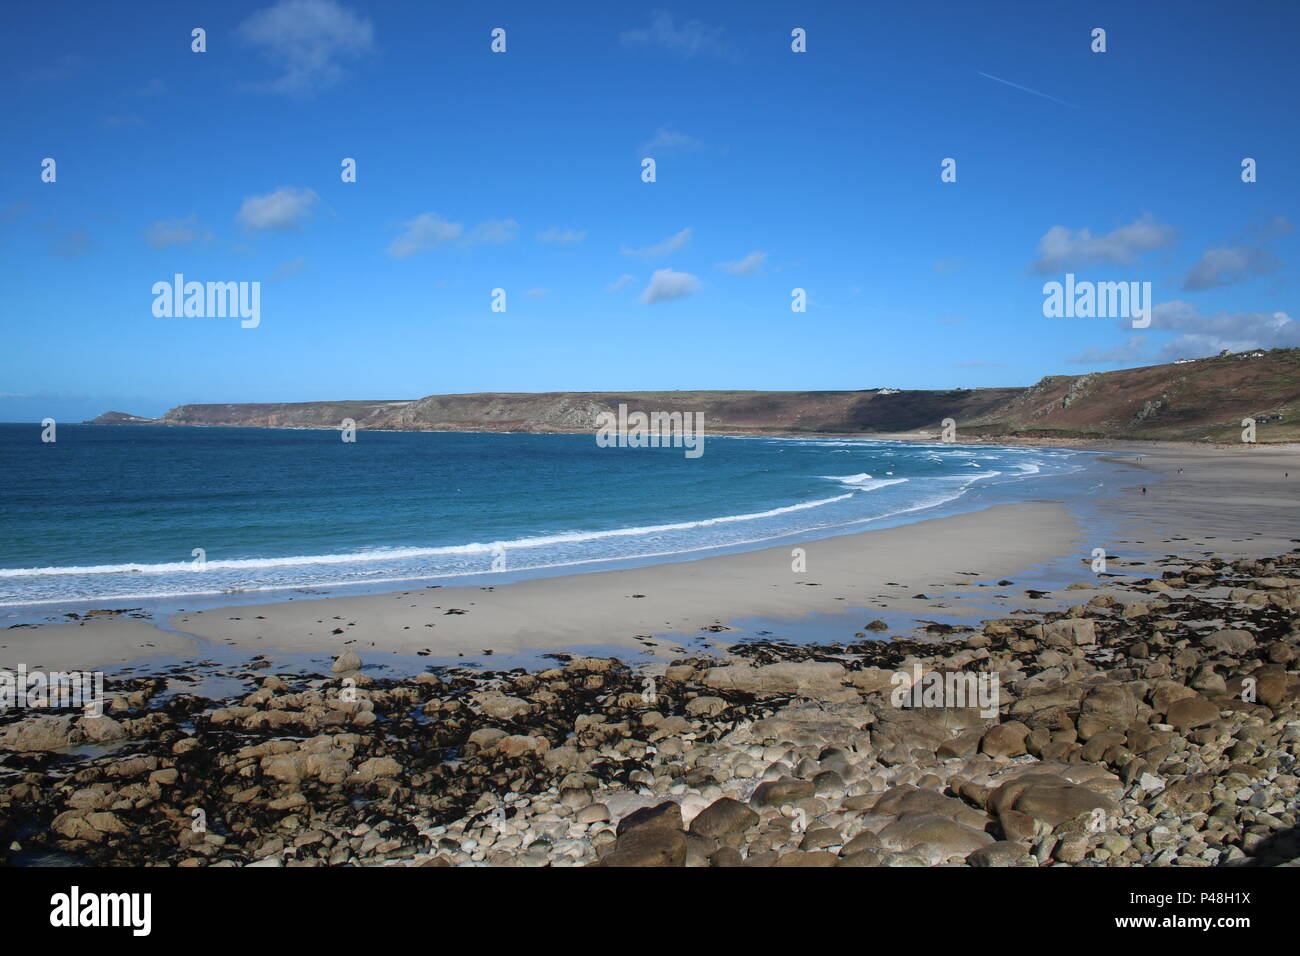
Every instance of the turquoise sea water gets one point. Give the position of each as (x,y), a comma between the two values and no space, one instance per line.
(116,512)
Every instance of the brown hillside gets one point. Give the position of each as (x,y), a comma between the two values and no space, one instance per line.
(1204,399)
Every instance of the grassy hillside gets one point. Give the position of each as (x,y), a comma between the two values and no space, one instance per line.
(1201,400)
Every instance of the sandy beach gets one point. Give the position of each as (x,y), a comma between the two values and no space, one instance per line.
(1236,500)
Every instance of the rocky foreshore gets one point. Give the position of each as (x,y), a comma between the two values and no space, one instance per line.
(1153,723)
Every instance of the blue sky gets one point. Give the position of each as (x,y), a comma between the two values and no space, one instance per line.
(522,171)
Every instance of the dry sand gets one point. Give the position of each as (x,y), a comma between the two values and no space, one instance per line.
(1234,501)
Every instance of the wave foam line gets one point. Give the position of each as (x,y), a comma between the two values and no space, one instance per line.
(863,481)
(386,554)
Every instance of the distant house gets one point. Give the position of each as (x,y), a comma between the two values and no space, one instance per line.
(888,391)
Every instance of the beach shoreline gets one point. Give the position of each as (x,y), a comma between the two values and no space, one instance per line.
(1200,498)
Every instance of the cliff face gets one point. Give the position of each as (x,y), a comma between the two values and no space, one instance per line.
(833,412)
(1204,399)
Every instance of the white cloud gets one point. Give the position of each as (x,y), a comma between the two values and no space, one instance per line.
(747,266)
(287,270)
(691,38)
(74,244)
(286,208)
(562,236)
(1229,266)
(176,232)
(424,232)
(1210,334)
(620,283)
(1130,351)
(1062,248)
(492,232)
(667,247)
(667,285)
(307,40)
(1270,228)
(537,293)
(57,69)
(667,139)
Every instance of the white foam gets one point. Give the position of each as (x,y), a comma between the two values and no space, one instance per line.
(863,481)
(388,554)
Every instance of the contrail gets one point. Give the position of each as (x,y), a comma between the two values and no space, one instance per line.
(1028,90)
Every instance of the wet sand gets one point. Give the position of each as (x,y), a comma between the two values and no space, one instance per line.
(98,644)
(614,607)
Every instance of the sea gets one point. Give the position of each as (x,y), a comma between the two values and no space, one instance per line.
(127,513)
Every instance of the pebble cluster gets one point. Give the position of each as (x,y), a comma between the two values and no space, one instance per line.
(1155,723)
